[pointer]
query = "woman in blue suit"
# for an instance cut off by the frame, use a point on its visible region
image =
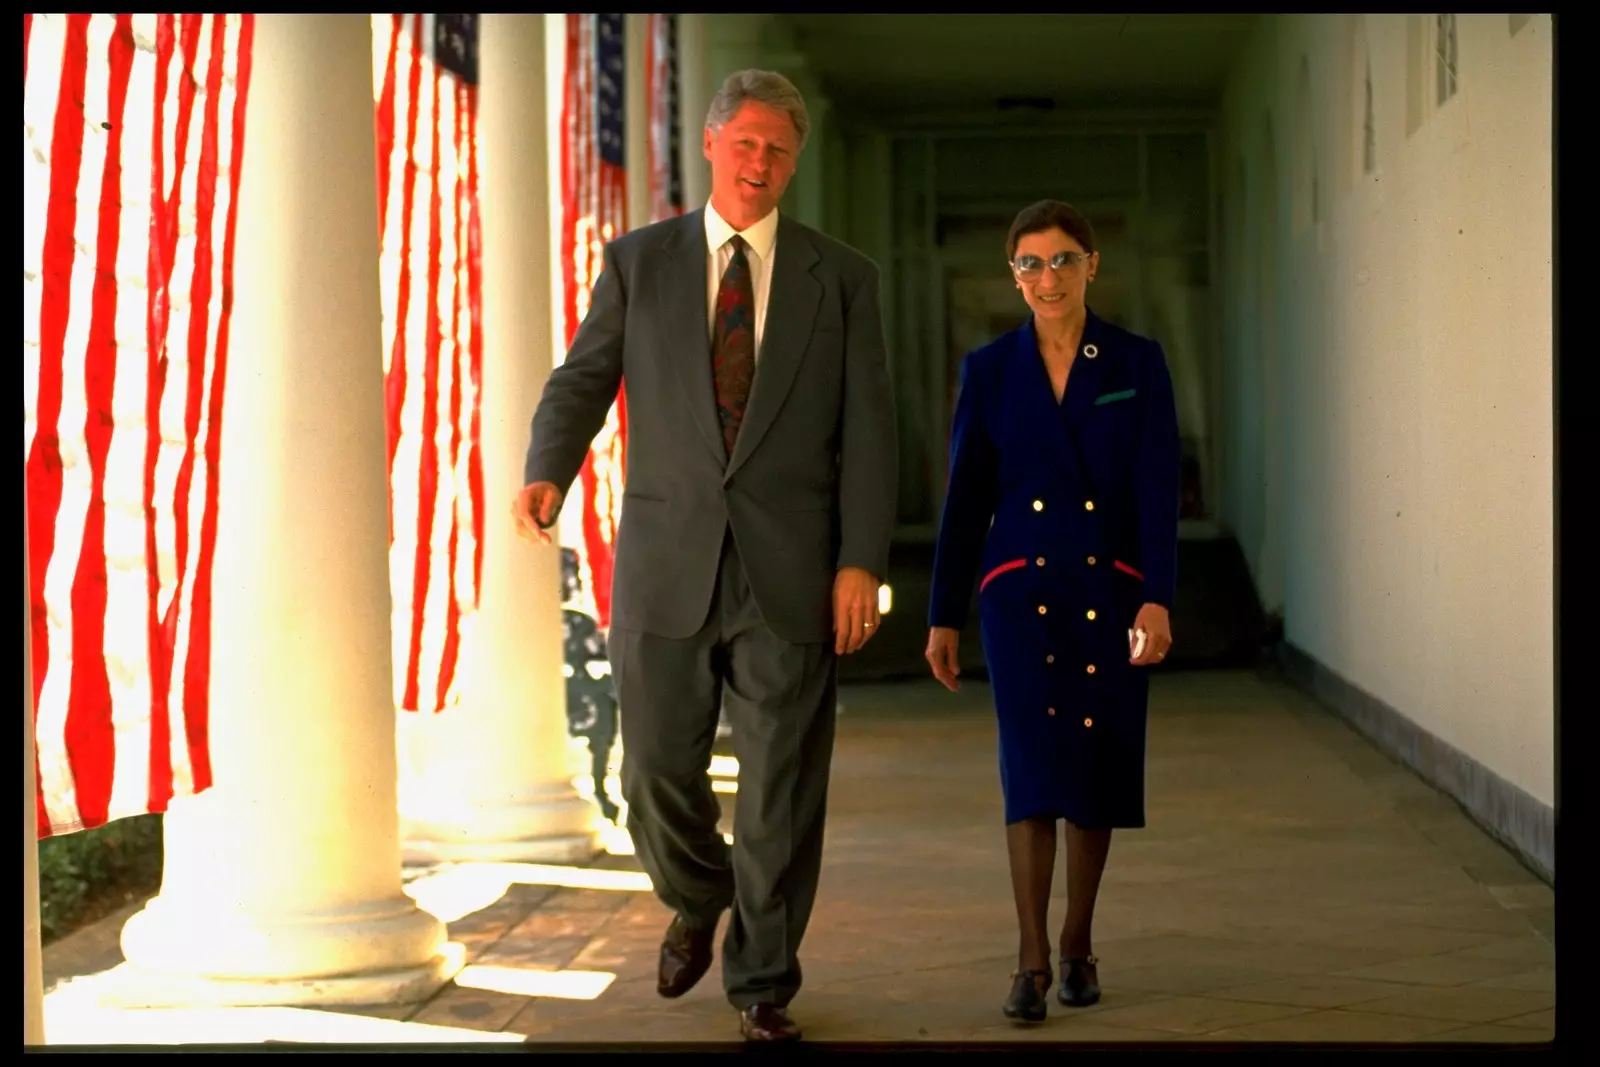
(1062, 507)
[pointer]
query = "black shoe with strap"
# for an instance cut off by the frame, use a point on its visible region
(1080, 981)
(1028, 998)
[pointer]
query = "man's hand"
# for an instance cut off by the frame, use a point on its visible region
(855, 609)
(944, 655)
(1153, 620)
(535, 510)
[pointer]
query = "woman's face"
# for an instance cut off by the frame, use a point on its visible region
(1053, 270)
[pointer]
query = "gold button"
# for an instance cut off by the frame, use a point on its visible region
(1088, 722)
(1050, 658)
(1091, 561)
(1091, 668)
(1091, 613)
(1041, 609)
(1038, 505)
(1039, 562)
(1088, 505)
(1050, 711)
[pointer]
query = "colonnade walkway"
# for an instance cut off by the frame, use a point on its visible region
(1294, 884)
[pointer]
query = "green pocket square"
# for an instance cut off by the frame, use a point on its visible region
(1109, 397)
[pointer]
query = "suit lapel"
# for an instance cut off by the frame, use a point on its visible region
(1083, 384)
(1059, 424)
(1034, 399)
(792, 303)
(684, 314)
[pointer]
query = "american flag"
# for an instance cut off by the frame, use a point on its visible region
(133, 133)
(424, 74)
(661, 63)
(594, 198)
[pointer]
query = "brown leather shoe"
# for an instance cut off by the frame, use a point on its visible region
(686, 955)
(767, 1022)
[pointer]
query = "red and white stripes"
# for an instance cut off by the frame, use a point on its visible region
(133, 136)
(594, 210)
(431, 270)
(661, 105)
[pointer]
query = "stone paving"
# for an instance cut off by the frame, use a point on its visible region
(1294, 885)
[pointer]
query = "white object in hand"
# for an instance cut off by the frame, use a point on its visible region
(1136, 641)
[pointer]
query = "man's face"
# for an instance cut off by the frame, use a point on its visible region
(752, 159)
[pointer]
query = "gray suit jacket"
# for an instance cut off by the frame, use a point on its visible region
(811, 485)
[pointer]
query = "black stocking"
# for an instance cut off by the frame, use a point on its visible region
(1086, 862)
(1031, 844)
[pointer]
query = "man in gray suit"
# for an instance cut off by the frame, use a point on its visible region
(755, 532)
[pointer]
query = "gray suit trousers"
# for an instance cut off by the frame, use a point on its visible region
(781, 700)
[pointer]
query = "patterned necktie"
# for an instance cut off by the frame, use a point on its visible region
(733, 343)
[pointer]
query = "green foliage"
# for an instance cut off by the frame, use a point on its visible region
(84, 875)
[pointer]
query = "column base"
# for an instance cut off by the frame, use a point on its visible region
(128, 987)
(558, 830)
(567, 850)
(383, 946)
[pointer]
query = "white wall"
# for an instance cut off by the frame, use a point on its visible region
(1389, 438)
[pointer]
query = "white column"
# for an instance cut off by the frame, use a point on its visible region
(810, 169)
(32, 953)
(734, 43)
(282, 881)
(779, 52)
(555, 86)
(492, 779)
(636, 118)
(695, 89)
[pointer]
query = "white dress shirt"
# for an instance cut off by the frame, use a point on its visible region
(760, 242)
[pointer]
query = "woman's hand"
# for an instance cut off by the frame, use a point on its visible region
(943, 655)
(1152, 619)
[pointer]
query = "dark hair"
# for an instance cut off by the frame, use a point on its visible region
(1050, 215)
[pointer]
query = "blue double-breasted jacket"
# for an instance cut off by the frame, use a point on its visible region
(1065, 515)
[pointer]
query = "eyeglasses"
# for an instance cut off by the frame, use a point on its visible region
(1028, 268)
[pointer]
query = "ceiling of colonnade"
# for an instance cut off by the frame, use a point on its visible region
(888, 64)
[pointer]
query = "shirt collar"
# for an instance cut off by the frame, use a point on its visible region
(759, 237)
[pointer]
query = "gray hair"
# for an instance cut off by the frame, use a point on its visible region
(764, 87)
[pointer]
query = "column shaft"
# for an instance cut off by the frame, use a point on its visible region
(282, 882)
(695, 89)
(492, 779)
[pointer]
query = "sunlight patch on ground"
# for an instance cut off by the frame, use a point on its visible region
(77, 1020)
(533, 982)
(451, 895)
(452, 891)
